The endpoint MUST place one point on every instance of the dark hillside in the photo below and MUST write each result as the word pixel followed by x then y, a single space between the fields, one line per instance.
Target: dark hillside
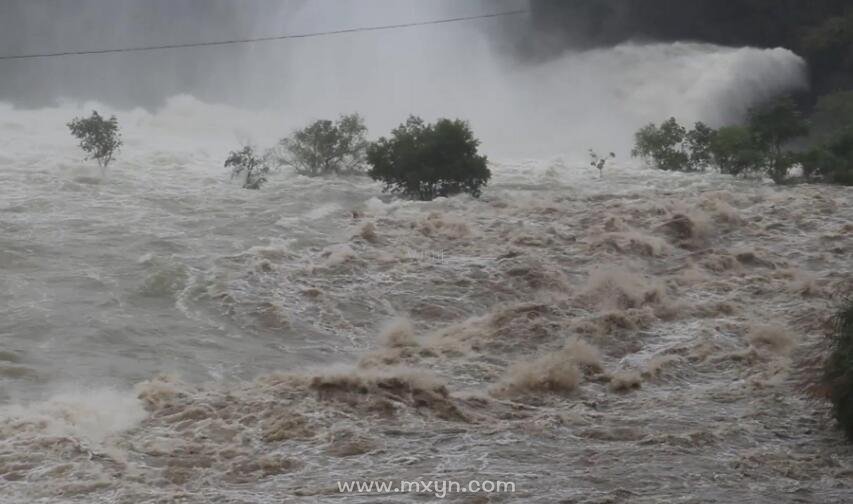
pixel 818 30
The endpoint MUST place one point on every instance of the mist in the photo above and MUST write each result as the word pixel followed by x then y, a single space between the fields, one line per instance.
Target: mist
pixel 471 70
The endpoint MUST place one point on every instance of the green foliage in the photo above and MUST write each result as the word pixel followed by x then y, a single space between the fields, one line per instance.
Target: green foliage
pixel 426 161
pixel 699 141
pixel 599 162
pixel 838 370
pixel 773 125
pixel 777 121
pixel 734 151
pixel 245 163
pixel 832 160
pixel 671 147
pixel 757 148
pixel 325 147
pixel 99 138
pixel 662 147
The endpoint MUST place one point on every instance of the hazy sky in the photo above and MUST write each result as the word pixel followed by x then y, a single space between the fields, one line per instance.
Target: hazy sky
pixel 221 73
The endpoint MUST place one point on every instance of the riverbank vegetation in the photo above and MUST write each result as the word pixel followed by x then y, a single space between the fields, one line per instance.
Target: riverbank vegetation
pixel 419 160
pixel 774 139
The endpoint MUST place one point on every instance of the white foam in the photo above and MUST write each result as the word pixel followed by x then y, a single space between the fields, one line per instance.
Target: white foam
pixel 87 415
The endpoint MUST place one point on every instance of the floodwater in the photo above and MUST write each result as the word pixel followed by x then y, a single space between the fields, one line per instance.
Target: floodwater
pixel 166 336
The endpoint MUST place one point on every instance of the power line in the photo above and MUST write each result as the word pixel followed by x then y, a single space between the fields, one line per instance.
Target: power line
pixel 263 39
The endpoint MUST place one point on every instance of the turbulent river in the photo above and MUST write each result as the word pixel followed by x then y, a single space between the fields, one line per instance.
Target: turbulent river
pixel 166 336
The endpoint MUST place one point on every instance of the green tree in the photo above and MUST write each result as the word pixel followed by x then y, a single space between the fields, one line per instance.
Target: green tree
pixel 699 141
pixel 99 138
pixel 832 160
pixel 251 167
pixel 426 161
pixel 325 147
pixel 734 151
pixel 774 125
pixel 662 147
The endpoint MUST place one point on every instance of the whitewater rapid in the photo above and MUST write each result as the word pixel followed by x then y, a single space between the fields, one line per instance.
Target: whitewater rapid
pixel 166 336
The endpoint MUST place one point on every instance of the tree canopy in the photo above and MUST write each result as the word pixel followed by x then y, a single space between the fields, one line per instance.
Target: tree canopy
pixel 248 165
pixel 325 147
pixel 426 161
pixel 99 138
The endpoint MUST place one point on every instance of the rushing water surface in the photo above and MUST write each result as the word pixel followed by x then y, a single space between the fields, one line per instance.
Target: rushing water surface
pixel 166 336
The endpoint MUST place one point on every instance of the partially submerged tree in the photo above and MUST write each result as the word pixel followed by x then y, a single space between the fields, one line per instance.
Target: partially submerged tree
pixel 774 125
pixel 699 141
pixel 426 161
pixel 734 151
pixel 831 161
pixel 251 167
pixel 325 147
pixel 599 162
pixel 662 147
pixel 760 147
pixel 99 138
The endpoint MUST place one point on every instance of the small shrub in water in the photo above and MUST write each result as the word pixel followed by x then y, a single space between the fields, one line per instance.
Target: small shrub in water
pixel 599 162
pixel 245 163
pixel 99 138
